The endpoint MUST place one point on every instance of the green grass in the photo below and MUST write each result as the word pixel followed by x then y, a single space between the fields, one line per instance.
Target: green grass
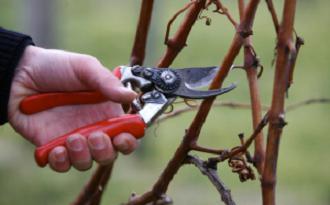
pixel 105 29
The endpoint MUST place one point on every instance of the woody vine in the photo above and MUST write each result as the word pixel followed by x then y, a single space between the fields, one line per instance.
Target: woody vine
pixel 262 164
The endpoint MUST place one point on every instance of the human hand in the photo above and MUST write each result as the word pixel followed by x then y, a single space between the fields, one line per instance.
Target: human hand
pixel 43 70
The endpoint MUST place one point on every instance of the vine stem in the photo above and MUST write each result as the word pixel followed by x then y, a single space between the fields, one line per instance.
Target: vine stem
pixel 178 41
pixel 221 9
pixel 192 133
pixel 237 105
pixel 272 12
pixel 251 69
pixel 247 143
pixel 285 51
pixel 92 192
pixel 174 46
pixel 141 34
pixel 212 174
pixel 88 193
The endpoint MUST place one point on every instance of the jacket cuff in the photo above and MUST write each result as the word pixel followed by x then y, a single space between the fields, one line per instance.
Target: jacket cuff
pixel 12 46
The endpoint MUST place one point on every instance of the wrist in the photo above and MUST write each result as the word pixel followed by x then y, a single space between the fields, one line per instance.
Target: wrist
pixel 29 54
pixel 12 46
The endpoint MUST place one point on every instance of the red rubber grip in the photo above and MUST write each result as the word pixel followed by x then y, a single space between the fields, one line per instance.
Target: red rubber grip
pixel 40 102
pixel 131 123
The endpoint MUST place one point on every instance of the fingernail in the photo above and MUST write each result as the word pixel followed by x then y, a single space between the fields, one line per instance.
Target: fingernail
pixel 97 141
pixel 75 143
pixel 60 156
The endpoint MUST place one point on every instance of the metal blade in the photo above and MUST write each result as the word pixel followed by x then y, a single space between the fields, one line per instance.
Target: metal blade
pixel 197 77
pixel 186 92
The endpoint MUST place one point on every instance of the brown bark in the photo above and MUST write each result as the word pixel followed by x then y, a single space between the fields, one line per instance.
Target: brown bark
pixel 192 133
pixel 285 61
pixel 92 192
pixel 251 68
pixel 141 34
pixel 91 189
pixel 272 12
pixel 276 113
pixel 178 41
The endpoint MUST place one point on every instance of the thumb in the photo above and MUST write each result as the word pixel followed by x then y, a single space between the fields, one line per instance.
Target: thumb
pixel 95 76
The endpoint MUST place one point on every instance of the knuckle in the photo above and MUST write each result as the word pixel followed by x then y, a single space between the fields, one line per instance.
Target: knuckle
pixel 83 63
pixel 90 60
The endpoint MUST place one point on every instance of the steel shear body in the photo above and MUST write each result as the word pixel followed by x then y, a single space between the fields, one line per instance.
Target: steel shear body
pixel 159 88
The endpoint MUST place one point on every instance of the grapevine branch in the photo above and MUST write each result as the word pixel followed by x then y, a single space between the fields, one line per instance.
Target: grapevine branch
pixel 272 11
pixel 174 46
pixel 237 105
pixel 178 41
pixel 251 64
pixel 141 34
pixel 285 53
pixel 94 189
pixel 170 22
pixel 96 200
pixel 245 145
pixel 307 102
pixel 91 192
pixel 210 171
pixel 265 160
pixel 221 9
pixel 299 40
pixel 192 133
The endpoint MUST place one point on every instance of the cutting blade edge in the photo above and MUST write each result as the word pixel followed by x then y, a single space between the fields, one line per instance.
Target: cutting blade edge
pixel 198 77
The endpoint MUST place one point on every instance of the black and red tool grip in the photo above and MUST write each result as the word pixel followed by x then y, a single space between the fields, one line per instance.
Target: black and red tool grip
pixel 132 124
pixel 44 101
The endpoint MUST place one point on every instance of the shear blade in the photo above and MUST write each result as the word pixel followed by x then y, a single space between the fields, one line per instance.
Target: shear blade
pixel 191 78
pixel 186 92
pixel 197 77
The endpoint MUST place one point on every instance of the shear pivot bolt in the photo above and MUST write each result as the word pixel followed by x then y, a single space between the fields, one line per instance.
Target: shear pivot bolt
pixel 168 77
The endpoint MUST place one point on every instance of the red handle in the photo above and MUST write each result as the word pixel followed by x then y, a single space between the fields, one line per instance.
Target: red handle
pixel 40 102
pixel 132 124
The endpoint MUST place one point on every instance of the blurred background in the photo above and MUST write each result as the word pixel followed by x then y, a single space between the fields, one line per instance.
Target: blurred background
pixel 106 29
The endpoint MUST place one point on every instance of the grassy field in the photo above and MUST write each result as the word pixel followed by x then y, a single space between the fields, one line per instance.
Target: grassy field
pixel 105 29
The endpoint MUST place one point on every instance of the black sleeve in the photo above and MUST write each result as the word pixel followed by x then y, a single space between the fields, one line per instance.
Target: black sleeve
pixel 12 46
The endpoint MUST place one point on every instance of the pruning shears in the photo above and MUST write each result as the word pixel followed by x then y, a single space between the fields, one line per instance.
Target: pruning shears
pixel 158 89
